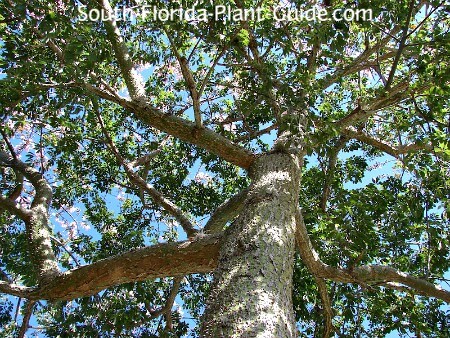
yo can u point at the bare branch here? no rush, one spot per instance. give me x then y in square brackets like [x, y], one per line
[151, 116]
[355, 65]
[159, 198]
[379, 273]
[182, 129]
[16, 290]
[226, 212]
[198, 255]
[326, 303]
[254, 134]
[190, 82]
[332, 160]
[188, 132]
[401, 45]
[363, 274]
[170, 300]
[69, 252]
[132, 80]
[26, 319]
[364, 111]
[4, 277]
[146, 158]
[385, 147]
[8, 143]
[166, 310]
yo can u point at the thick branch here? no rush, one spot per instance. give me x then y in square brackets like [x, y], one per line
[188, 132]
[43, 189]
[16, 290]
[175, 126]
[162, 260]
[226, 212]
[13, 208]
[37, 223]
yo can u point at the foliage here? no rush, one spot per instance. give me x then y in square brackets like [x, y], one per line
[366, 197]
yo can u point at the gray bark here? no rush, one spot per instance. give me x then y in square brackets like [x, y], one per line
[252, 291]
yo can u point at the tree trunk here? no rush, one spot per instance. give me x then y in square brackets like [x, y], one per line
[251, 294]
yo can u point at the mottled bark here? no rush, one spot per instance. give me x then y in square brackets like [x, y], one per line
[36, 218]
[197, 255]
[252, 291]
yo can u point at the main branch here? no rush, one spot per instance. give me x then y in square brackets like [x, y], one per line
[363, 275]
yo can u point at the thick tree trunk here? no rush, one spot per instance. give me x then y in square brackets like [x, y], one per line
[252, 291]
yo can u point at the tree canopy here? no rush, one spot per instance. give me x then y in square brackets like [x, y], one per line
[129, 144]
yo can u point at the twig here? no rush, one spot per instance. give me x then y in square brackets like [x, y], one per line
[57, 241]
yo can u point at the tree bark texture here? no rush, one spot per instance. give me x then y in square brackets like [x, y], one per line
[251, 295]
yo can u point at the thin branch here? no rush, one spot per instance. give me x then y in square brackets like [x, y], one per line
[332, 160]
[214, 64]
[170, 301]
[226, 212]
[326, 303]
[189, 79]
[26, 318]
[132, 80]
[365, 110]
[400, 46]
[385, 147]
[51, 44]
[159, 198]
[312, 58]
[70, 253]
[8, 143]
[166, 310]
[146, 158]
[4, 277]
[355, 65]
[426, 18]
[254, 134]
